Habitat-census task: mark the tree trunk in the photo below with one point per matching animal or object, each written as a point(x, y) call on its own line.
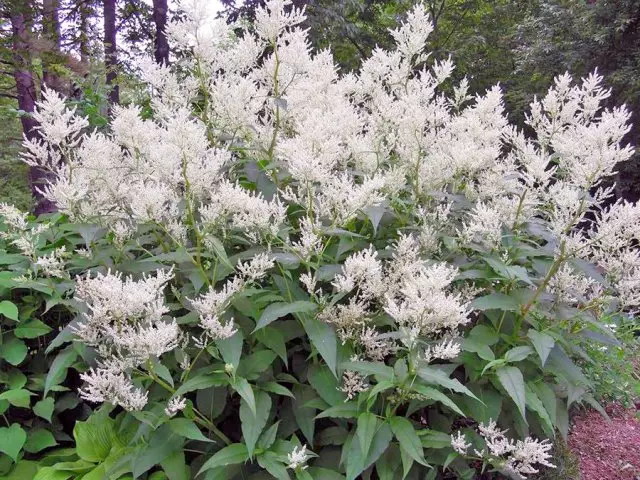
point(27, 95)
point(83, 34)
point(110, 50)
point(51, 32)
point(161, 45)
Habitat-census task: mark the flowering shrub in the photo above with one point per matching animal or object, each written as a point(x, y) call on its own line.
point(321, 275)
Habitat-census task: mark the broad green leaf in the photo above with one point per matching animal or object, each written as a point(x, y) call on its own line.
point(517, 354)
point(94, 438)
point(356, 464)
point(243, 388)
point(252, 423)
point(433, 394)
point(485, 334)
point(438, 377)
point(471, 344)
point(318, 473)
point(187, 428)
point(548, 398)
point(512, 381)
point(408, 438)
point(175, 466)
point(58, 370)
point(496, 301)
point(38, 440)
point(273, 339)
point(370, 368)
point(542, 342)
point(326, 384)
point(44, 408)
point(231, 348)
point(229, 455)
point(273, 464)
point(278, 310)
point(323, 338)
point(163, 443)
point(345, 410)
point(304, 415)
point(267, 437)
point(276, 388)
point(534, 403)
point(12, 439)
point(33, 328)
point(9, 310)
point(14, 351)
point(17, 398)
point(50, 473)
point(434, 439)
point(211, 401)
point(366, 429)
point(489, 406)
point(23, 470)
point(200, 382)
point(252, 365)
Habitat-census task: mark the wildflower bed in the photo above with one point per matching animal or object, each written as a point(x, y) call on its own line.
point(286, 271)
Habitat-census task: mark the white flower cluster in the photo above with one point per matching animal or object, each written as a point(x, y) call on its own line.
point(298, 458)
point(125, 322)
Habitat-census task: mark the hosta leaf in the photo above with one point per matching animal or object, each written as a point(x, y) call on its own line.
point(94, 438)
point(229, 455)
point(542, 342)
point(408, 438)
point(252, 423)
point(512, 381)
point(12, 439)
point(278, 310)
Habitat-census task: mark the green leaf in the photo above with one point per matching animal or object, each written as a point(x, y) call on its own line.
point(542, 342)
point(230, 455)
point(323, 337)
point(14, 351)
point(438, 377)
point(366, 429)
point(163, 443)
point(273, 339)
point(474, 345)
point(278, 310)
point(17, 398)
point(433, 394)
point(175, 466)
point(370, 368)
point(9, 310)
point(484, 334)
point(58, 370)
point(32, 329)
point(496, 301)
point(200, 382)
point(276, 388)
point(326, 384)
point(534, 403)
point(188, 429)
point(12, 439)
point(408, 438)
point(356, 464)
point(304, 415)
point(94, 438)
point(253, 422)
point(272, 464)
point(38, 440)
point(517, 354)
point(44, 408)
point(268, 436)
point(243, 388)
point(345, 410)
point(512, 381)
point(231, 348)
